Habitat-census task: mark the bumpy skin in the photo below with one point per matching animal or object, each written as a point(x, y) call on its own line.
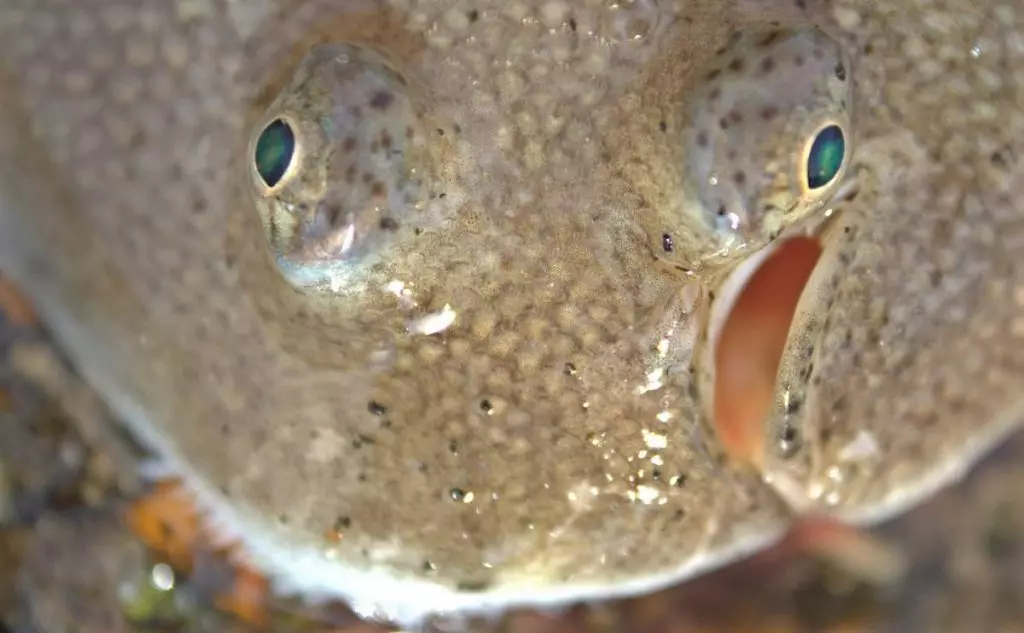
point(907, 358)
point(546, 443)
point(353, 189)
point(752, 118)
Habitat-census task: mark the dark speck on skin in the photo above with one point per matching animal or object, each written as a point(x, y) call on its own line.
point(381, 100)
point(789, 440)
point(793, 405)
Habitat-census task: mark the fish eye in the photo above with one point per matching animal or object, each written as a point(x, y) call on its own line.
point(275, 151)
point(341, 168)
point(825, 156)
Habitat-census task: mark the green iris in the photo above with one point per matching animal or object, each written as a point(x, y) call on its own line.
point(826, 156)
point(274, 151)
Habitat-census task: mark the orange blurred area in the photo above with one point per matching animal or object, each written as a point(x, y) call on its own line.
point(751, 344)
point(168, 523)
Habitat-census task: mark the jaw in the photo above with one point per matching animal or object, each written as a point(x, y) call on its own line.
point(762, 310)
point(291, 569)
point(748, 326)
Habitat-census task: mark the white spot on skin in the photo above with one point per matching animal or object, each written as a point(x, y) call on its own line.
point(655, 440)
point(646, 495)
point(862, 447)
point(654, 382)
point(433, 323)
point(399, 289)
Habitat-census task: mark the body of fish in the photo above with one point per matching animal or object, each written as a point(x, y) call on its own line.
point(412, 294)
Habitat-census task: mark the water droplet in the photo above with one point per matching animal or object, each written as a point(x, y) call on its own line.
point(654, 440)
point(162, 577)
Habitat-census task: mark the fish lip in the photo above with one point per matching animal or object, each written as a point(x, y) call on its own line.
point(729, 284)
point(725, 291)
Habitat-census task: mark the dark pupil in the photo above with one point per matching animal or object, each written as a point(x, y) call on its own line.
point(826, 157)
point(274, 150)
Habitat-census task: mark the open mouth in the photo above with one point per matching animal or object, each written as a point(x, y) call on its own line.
point(747, 334)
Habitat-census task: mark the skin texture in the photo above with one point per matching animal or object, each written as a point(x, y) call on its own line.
point(753, 115)
point(550, 442)
point(352, 189)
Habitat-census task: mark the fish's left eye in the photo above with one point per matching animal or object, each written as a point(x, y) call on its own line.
point(826, 156)
point(275, 149)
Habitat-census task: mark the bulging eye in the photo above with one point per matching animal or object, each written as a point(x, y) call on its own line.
point(341, 169)
point(768, 137)
point(825, 156)
point(275, 149)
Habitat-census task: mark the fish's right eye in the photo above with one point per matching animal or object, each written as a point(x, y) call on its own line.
point(825, 156)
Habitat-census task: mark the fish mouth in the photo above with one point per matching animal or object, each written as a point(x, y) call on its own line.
point(748, 325)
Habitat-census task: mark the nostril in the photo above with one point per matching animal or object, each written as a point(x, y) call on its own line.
point(750, 344)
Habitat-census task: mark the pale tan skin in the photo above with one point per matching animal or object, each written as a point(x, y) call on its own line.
point(128, 214)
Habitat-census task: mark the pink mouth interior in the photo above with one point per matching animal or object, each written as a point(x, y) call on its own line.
point(751, 344)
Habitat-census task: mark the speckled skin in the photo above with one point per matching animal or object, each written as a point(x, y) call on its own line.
point(360, 179)
point(751, 119)
point(520, 455)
